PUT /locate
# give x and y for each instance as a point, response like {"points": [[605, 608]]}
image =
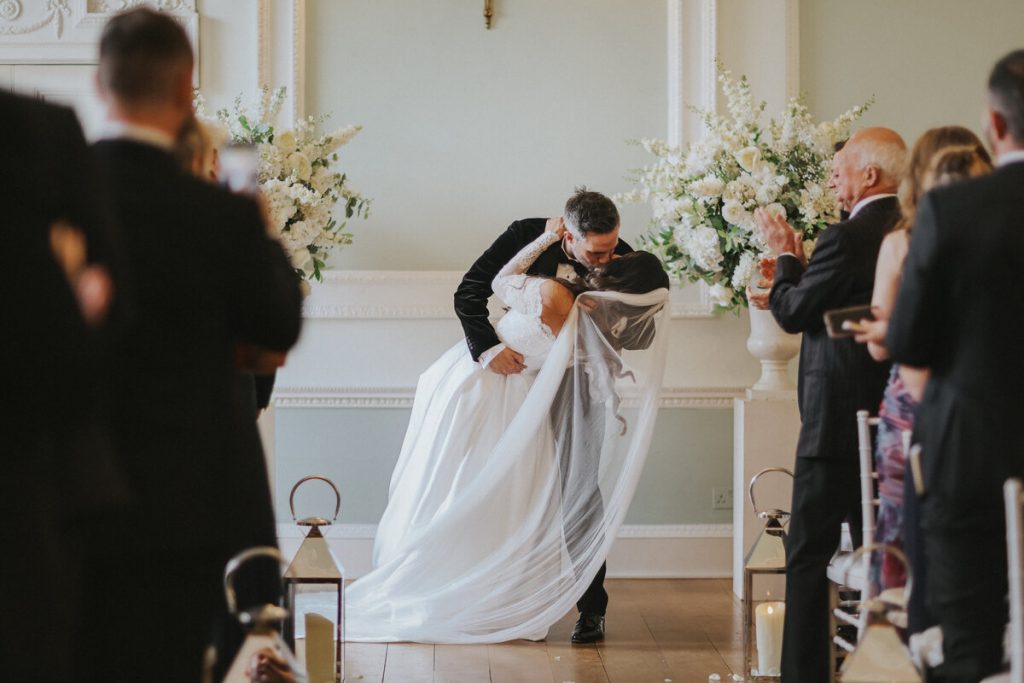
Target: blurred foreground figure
{"points": [[206, 276]]}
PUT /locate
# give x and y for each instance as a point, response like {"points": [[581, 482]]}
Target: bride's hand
{"points": [[555, 225]]}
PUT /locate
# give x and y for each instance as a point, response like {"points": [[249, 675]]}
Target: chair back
{"points": [[1012, 495], [868, 497]]}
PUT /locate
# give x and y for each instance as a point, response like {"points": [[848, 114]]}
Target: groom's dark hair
{"points": [[1006, 88], [591, 212], [142, 55]]}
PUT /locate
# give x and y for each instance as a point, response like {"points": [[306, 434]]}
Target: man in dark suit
{"points": [[206, 277], [959, 311], [591, 239], [837, 378], [55, 295]]}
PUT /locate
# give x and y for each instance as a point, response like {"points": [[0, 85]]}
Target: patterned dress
{"points": [[896, 416]]}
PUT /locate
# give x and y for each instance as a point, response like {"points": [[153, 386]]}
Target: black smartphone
{"points": [[835, 318], [240, 168]]}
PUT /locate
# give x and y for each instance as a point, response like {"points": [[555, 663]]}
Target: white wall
{"points": [[467, 130], [926, 61]]}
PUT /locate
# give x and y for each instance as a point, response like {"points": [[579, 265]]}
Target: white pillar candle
{"points": [[768, 621], [319, 649]]}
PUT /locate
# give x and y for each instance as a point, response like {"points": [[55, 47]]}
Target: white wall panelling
{"points": [[639, 551], [281, 52], [67, 31]]}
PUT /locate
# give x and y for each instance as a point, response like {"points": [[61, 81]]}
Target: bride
{"points": [[509, 488]]}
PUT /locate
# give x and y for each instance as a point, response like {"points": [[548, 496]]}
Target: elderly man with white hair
{"points": [[837, 378]]}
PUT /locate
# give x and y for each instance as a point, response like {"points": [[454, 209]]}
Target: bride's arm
{"points": [[522, 261], [509, 281]]}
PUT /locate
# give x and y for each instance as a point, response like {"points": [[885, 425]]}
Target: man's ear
{"points": [[872, 176], [185, 93], [997, 124]]}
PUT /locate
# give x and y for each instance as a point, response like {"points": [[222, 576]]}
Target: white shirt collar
{"points": [[137, 133], [867, 200], [1011, 157]]}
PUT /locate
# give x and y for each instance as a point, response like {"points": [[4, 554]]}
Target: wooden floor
{"points": [[658, 631]]}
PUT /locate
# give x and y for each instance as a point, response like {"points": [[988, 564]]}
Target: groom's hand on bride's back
{"points": [[507, 362]]}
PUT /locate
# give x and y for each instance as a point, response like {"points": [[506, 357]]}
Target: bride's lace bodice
{"points": [[522, 328]]}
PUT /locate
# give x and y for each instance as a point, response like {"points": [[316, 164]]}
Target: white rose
{"points": [[285, 141], [748, 158], [300, 165], [303, 232], [733, 212], [720, 295]]}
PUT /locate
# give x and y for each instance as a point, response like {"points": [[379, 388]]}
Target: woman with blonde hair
{"points": [[940, 156]]}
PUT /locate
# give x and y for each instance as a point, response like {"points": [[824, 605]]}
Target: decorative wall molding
{"points": [[68, 31], [692, 48], [281, 52], [363, 531], [640, 551], [402, 397], [427, 295], [792, 18]]}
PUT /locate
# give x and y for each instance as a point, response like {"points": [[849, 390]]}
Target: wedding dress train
{"points": [[509, 489]]}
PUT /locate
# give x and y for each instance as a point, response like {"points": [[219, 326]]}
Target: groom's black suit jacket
{"points": [[205, 276], [475, 289], [837, 376]]}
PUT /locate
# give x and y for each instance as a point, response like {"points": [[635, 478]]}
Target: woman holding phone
{"points": [[940, 156]]}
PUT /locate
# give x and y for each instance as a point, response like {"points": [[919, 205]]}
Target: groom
{"points": [[591, 239]]}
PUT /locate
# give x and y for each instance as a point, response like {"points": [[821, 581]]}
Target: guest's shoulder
{"points": [[30, 114], [974, 193], [216, 198]]}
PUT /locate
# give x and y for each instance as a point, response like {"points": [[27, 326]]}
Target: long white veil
{"points": [[518, 545]]}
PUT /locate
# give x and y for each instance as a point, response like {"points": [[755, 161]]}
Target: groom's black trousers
{"points": [[580, 429]]}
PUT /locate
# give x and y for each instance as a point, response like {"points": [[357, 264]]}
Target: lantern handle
{"points": [[750, 490], [237, 561], [300, 482]]}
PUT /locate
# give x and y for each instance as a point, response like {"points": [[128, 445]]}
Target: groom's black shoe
{"points": [[589, 629]]}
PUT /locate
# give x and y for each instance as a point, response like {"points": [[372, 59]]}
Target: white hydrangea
{"points": [[704, 248], [744, 271]]}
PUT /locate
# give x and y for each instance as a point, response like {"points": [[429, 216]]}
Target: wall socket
{"points": [[721, 499]]}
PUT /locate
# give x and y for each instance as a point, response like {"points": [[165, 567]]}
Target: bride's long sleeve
{"points": [[509, 283]]}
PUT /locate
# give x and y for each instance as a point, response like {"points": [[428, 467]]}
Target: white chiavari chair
{"points": [[1013, 498]]}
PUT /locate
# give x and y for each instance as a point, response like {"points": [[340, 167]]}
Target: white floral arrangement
{"points": [[297, 179], [704, 196]]}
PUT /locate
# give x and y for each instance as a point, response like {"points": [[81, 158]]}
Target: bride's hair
{"points": [[637, 272]]}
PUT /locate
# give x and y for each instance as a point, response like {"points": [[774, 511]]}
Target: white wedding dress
{"points": [[495, 523]]}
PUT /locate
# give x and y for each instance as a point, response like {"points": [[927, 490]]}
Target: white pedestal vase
{"points": [[774, 347]]}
